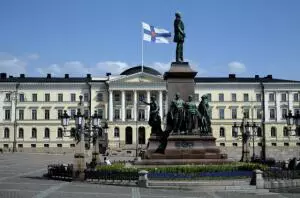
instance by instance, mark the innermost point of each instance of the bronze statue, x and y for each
(204, 119)
(154, 118)
(179, 36)
(177, 114)
(191, 115)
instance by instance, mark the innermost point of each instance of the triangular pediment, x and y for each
(137, 78)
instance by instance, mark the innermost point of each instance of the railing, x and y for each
(110, 175)
(60, 171)
(279, 174)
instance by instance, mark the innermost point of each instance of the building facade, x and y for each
(30, 107)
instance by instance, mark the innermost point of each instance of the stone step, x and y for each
(201, 183)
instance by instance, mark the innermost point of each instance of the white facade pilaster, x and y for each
(267, 112)
(135, 105)
(290, 101)
(160, 104)
(111, 106)
(123, 106)
(278, 114)
(148, 107)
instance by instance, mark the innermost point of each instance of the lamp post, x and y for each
(97, 132)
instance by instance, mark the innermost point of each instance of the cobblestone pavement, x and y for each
(21, 176)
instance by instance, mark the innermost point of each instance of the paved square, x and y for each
(21, 176)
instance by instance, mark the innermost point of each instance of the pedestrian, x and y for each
(106, 161)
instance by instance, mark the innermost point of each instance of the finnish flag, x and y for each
(155, 35)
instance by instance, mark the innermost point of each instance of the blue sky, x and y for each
(245, 37)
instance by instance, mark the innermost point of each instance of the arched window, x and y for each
(222, 132)
(285, 132)
(47, 133)
(21, 133)
(6, 133)
(59, 133)
(72, 132)
(128, 136)
(142, 135)
(273, 132)
(259, 132)
(116, 132)
(298, 131)
(33, 133)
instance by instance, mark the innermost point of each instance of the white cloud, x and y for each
(114, 67)
(11, 65)
(33, 56)
(236, 67)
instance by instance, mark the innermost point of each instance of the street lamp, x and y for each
(292, 120)
(65, 119)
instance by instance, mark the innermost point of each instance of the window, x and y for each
(59, 113)
(5, 145)
(273, 132)
(59, 145)
(47, 97)
(46, 145)
(259, 132)
(234, 144)
(296, 97)
(33, 114)
(73, 97)
(73, 113)
(271, 97)
(85, 97)
(21, 114)
(33, 133)
(100, 113)
(47, 133)
(21, 98)
(233, 113)
(141, 114)
(99, 97)
(272, 114)
(233, 97)
(259, 113)
(141, 96)
(33, 145)
(258, 97)
(7, 97)
(246, 97)
(72, 132)
(20, 145)
(209, 97)
(259, 144)
(196, 97)
(286, 144)
(128, 114)
(222, 144)
(274, 144)
(128, 97)
(283, 97)
(117, 114)
(222, 132)
(6, 133)
(86, 113)
(128, 135)
(47, 114)
(34, 97)
(298, 131)
(116, 132)
(60, 97)
(141, 135)
(246, 113)
(221, 97)
(285, 132)
(117, 97)
(233, 133)
(59, 133)
(21, 133)
(72, 145)
(221, 114)
(7, 114)
(283, 113)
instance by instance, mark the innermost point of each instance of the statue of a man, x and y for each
(204, 119)
(191, 114)
(179, 36)
(154, 111)
(177, 113)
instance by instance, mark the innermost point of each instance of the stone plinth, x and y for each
(153, 144)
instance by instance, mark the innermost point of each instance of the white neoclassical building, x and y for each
(31, 107)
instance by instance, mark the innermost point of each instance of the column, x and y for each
(148, 107)
(123, 106)
(135, 105)
(290, 100)
(267, 114)
(278, 112)
(111, 106)
(160, 104)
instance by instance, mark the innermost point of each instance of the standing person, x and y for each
(179, 36)
(106, 161)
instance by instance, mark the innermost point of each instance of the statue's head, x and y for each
(152, 98)
(190, 98)
(177, 95)
(205, 99)
(178, 15)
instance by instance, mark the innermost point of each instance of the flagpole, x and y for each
(142, 48)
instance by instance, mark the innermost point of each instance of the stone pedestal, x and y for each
(95, 153)
(79, 160)
(153, 144)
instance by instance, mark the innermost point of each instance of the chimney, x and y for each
(269, 76)
(22, 75)
(3, 75)
(66, 75)
(231, 76)
(256, 76)
(48, 75)
(89, 76)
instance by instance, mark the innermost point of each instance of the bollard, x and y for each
(274, 184)
(281, 184)
(143, 179)
(259, 181)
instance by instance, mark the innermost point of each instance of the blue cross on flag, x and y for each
(155, 35)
